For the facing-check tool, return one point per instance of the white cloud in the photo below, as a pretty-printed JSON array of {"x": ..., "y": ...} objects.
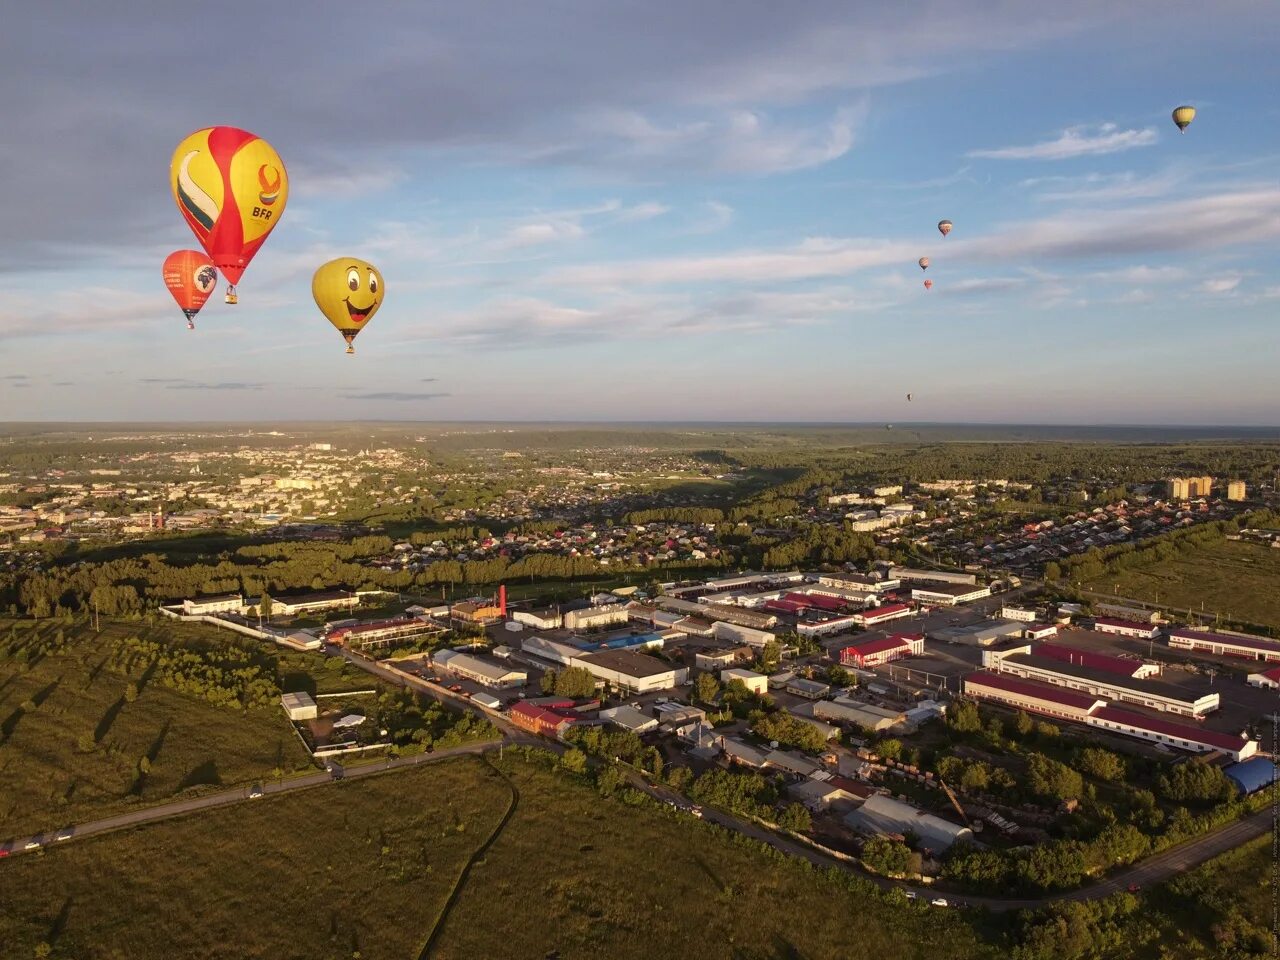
[
  {"x": 642, "y": 211},
  {"x": 718, "y": 216},
  {"x": 535, "y": 234},
  {"x": 1107, "y": 188},
  {"x": 1081, "y": 141},
  {"x": 1223, "y": 284},
  {"x": 736, "y": 141}
]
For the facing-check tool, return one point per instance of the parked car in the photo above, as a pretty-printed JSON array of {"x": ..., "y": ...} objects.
[
  {"x": 912, "y": 895},
  {"x": 65, "y": 833},
  {"x": 939, "y": 902},
  {"x": 256, "y": 792},
  {"x": 32, "y": 845}
]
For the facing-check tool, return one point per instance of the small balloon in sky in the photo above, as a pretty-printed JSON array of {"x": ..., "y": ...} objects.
[
  {"x": 349, "y": 292},
  {"x": 191, "y": 277}
]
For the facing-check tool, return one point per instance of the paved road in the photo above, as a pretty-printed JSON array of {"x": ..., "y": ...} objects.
[{"x": 238, "y": 795}]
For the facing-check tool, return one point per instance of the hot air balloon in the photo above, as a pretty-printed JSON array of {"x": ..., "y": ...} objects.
[
  {"x": 944, "y": 227},
  {"x": 928, "y": 284},
  {"x": 1183, "y": 116},
  {"x": 908, "y": 398},
  {"x": 231, "y": 187},
  {"x": 190, "y": 277},
  {"x": 348, "y": 291},
  {"x": 924, "y": 263}
]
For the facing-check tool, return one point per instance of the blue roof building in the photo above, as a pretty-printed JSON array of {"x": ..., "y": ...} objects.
[{"x": 1252, "y": 775}]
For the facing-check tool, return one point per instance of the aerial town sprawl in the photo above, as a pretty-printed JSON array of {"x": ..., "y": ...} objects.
[{"x": 935, "y": 682}]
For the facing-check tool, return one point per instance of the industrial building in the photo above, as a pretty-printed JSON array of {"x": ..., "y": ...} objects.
[
  {"x": 884, "y": 815},
  {"x": 1252, "y": 775},
  {"x": 1040, "y": 631},
  {"x": 299, "y": 706},
  {"x": 631, "y": 671},
  {"x": 1090, "y": 674},
  {"x": 882, "y": 614},
  {"x": 982, "y": 634},
  {"x": 313, "y": 603},
  {"x": 948, "y": 594},
  {"x": 1121, "y": 612},
  {"x": 858, "y": 582},
  {"x": 738, "y": 634},
  {"x": 912, "y": 575},
  {"x": 1121, "y": 666},
  {"x": 813, "y": 629},
  {"x": 548, "y": 649},
  {"x": 629, "y": 718},
  {"x": 1266, "y": 678},
  {"x": 865, "y": 715},
  {"x": 476, "y": 611},
  {"x": 546, "y": 619},
  {"x": 1126, "y": 628},
  {"x": 714, "y": 659},
  {"x": 1225, "y": 644},
  {"x": 592, "y": 618},
  {"x": 809, "y": 689},
  {"x": 1018, "y": 613},
  {"x": 381, "y": 633},
  {"x": 718, "y": 611},
  {"x": 1094, "y": 711},
  {"x": 495, "y": 675},
  {"x": 757, "y": 683},
  {"x": 226, "y": 603},
  {"x": 542, "y": 720},
  {"x": 873, "y": 653}
]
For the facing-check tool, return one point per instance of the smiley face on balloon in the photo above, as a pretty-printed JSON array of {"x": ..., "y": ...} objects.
[{"x": 348, "y": 292}]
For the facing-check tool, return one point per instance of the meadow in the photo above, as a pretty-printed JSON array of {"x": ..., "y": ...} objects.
[
  {"x": 83, "y": 736},
  {"x": 1234, "y": 579}
]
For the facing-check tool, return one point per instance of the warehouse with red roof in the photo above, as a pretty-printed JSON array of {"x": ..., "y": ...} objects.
[{"x": 873, "y": 653}]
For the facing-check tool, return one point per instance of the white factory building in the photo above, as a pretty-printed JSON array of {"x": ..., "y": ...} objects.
[
  {"x": 593, "y": 617},
  {"x": 1225, "y": 644},
  {"x": 948, "y": 594},
  {"x": 299, "y": 706},
  {"x": 757, "y": 683},
  {"x": 483, "y": 672},
  {"x": 1126, "y": 628}
]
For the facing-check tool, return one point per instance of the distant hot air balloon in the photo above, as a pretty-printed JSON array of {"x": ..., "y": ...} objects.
[
  {"x": 190, "y": 277},
  {"x": 231, "y": 187},
  {"x": 348, "y": 291},
  {"x": 924, "y": 263},
  {"x": 1183, "y": 116},
  {"x": 944, "y": 227},
  {"x": 908, "y": 398},
  {"x": 928, "y": 284}
]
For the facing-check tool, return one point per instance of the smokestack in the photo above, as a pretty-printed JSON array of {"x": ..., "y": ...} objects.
[{"x": 502, "y": 599}]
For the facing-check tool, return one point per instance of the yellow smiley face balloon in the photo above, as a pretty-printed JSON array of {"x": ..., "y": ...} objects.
[{"x": 348, "y": 291}]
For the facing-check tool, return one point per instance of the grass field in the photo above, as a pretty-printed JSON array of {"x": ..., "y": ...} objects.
[
  {"x": 72, "y": 744},
  {"x": 357, "y": 869},
  {"x": 368, "y": 866},
  {"x": 1235, "y": 579}
]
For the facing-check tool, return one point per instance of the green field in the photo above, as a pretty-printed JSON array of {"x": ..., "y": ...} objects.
[
  {"x": 368, "y": 865},
  {"x": 1234, "y": 579},
  {"x": 72, "y": 743}
]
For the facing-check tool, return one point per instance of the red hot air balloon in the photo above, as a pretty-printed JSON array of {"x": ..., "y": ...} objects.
[
  {"x": 231, "y": 188},
  {"x": 928, "y": 284},
  {"x": 191, "y": 278}
]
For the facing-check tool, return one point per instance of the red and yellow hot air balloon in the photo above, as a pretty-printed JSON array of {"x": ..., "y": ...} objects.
[
  {"x": 231, "y": 187},
  {"x": 190, "y": 277},
  {"x": 944, "y": 227},
  {"x": 924, "y": 263},
  {"x": 928, "y": 284}
]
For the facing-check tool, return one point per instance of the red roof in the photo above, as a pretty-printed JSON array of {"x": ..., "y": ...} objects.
[
  {"x": 818, "y": 600},
  {"x": 884, "y": 643},
  {"x": 1124, "y": 666},
  {"x": 1272, "y": 674},
  {"x": 783, "y": 606},
  {"x": 1250, "y": 643},
  {"x": 1211, "y": 738},
  {"x": 536, "y": 713},
  {"x": 886, "y": 610},
  {"x": 1029, "y": 688}
]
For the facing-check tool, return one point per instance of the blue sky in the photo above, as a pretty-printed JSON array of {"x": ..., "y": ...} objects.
[{"x": 638, "y": 211}]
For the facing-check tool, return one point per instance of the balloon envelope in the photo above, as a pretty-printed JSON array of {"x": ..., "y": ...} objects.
[
  {"x": 924, "y": 263},
  {"x": 1183, "y": 116},
  {"x": 231, "y": 187},
  {"x": 928, "y": 284},
  {"x": 944, "y": 227},
  {"x": 349, "y": 292},
  {"x": 190, "y": 277}
]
